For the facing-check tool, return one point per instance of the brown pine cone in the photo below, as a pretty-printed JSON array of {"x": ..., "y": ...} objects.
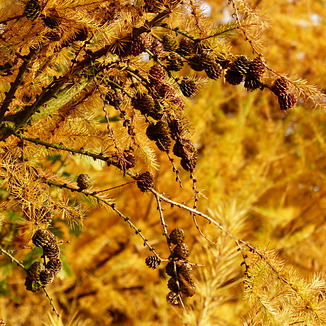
[
  {"x": 241, "y": 64},
  {"x": 174, "y": 62},
  {"x": 54, "y": 265},
  {"x": 144, "y": 182},
  {"x": 169, "y": 42},
  {"x": 186, "y": 150},
  {"x": 201, "y": 61},
  {"x": 32, "y": 285},
  {"x": 252, "y": 84},
  {"x": 173, "y": 299},
  {"x": 177, "y": 236},
  {"x": 185, "y": 269},
  {"x": 256, "y": 68},
  {"x": 152, "y": 262},
  {"x": 173, "y": 285},
  {"x": 83, "y": 181},
  {"x": 186, "y": 47},
  {"x": 214, "y": 71},
  {"x": 176, "y": 128},
  {"x": 188, "y": 87},
  {"x": 169, "y": 268},
  {"x": 143, "y": 102},
  {"x": 33, "y": 273},
  {"x": 181, "y": 251},
  {"x": 127, "y": 161},
  {"x": 32, "y": 9},
  {"x": 156, "y": 74},
  {"x": 187, "y": 288},
  {"x": 42, "y": 238},
  {"x": 51, "y": 251},
  {"x": 287, "y": 101},
  {"x": 114, "y": 98},
  {"x": 46, "y": 276},
  {"x": 155, "y": 112},
  {"x": 159, "y": 132},
  {"x": 233, "y": 77},
  {"x": 280, "y": 86}
]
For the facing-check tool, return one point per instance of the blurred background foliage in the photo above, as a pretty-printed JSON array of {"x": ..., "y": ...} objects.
[{"x": 261, "y": 174}]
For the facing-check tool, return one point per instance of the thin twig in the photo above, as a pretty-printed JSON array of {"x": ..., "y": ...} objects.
[
  {"x": 51, "y": 301},
  {"x": 112, "y": 205},
  {"x": 12, "y": 258},
  {"x": 164, "y": 225}
]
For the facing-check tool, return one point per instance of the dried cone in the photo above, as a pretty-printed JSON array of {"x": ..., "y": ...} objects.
[
  {"x": 42, "y": 238},
  {"x": 287, "y": 101},
  {"x": 186, "y": 47},
  {"x": 156, "y": 48},
  {"x": 233, "y": 77},
  {"x": 177, "y": 236},
  {"x": 173, "y": 299},
  {"x": 32, "y": 9},
  {"x": 201, "y": 61},
  {"x": 156, "y": 74},
  {"x": 185, "y": 269},
  {"x": 280, "y": 86},
  {"x": 241, "y": 64},
  {"x": 51, "y": 251},
  {"x": 127, "y": 161},
  {"x": 160, "y": 133},
  {"x": 188, "y": 87},
  {"x": 214, "y": 71},
  {"x": 32, "y": 285},
  {"x": 252, "y": 84},
  {"x": 174, "y": 62},
  {"x": 181, "y": 251},
  {"x": 114, "y": 98},
  {"x": 152, "y": 262},
  {"x": 174, "y": 285},
  {"x": 169, "y": 268},
  {"x": 143, "y": 102},
  {"x": 46, "y": 276},
  {"x": 145, "y": 181},
  {"x": 54, "y": 265},
  {"x": 186, "y": 150},
  {"x": 127, "y": 46},
  {"x": 156, "y": 112},
  {"x": 169, "y": 42},
  {"x": 83, "y": 181},
  {"x": 166, "y": 91},
  {"x": 188, "y": 288},
  {"x": 33, "y": 273},
  {"x": 51, "y": 22},
  {"x": 177, "y": 128},
  {"x": 256, "y": 68}
]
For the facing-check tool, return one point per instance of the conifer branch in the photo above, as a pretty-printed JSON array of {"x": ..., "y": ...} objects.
[
  {"x": 20, "y": 264},
  {"x": 61, "y": 147},
  {"x": 11, "y": 93},
  {"x": 113, "y": 206},
  {"x": 164, "y": 225},
  {"x": 12, "y": 258},
  {"x": 238, "y": 241},
  {"x": 51, "y": 301}
]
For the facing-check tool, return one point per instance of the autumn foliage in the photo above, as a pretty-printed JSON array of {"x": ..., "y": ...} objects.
[{"x": 162, "y": 162}]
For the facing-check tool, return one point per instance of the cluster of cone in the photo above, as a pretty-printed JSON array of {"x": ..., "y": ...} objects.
[
  {"x": 178, "y": 268},
  {"x": 40, "y": 274}
]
